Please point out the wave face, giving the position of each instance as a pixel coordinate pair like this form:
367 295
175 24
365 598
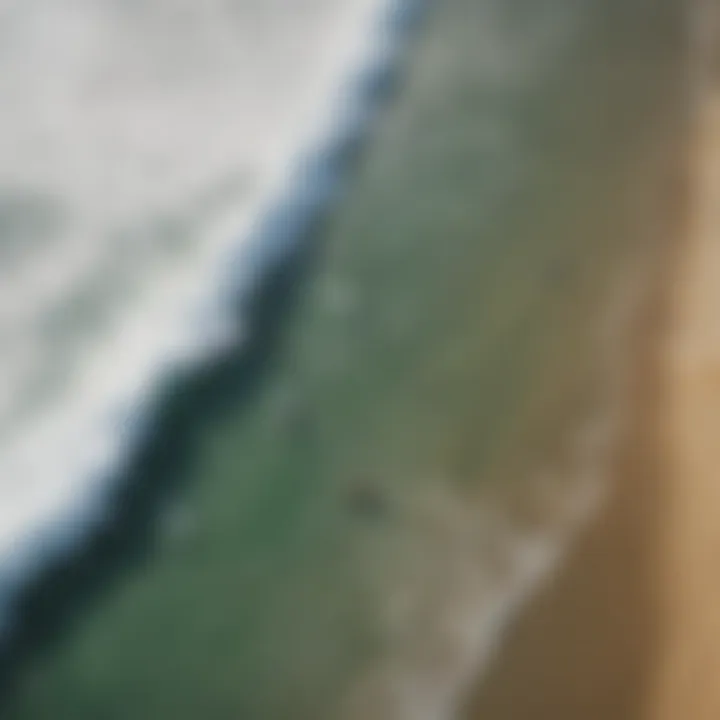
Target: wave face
147 150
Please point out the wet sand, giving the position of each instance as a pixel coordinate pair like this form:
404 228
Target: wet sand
629 628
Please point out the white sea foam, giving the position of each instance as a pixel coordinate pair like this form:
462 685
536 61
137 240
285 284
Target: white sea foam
157 156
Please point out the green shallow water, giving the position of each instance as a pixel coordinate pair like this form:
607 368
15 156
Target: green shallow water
444 332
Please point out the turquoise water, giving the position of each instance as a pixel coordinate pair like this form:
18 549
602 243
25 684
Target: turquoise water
310 512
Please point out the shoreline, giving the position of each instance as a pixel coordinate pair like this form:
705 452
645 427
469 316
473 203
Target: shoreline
621 631
411 400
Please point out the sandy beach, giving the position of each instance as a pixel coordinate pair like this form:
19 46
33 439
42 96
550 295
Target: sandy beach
684 681
629 628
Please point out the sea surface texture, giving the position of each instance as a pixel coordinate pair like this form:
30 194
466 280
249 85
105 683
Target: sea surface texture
271 490
141 144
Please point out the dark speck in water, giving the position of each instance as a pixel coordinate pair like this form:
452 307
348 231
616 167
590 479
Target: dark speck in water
366 500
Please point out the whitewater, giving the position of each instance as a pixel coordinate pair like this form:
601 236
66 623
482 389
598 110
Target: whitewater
158 158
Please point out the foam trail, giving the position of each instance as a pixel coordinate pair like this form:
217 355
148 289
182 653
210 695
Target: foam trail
67 463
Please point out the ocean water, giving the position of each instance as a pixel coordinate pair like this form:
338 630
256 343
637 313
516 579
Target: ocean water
336 519
144 146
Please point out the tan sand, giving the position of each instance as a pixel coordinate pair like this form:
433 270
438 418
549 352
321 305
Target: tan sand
686 680
630 627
